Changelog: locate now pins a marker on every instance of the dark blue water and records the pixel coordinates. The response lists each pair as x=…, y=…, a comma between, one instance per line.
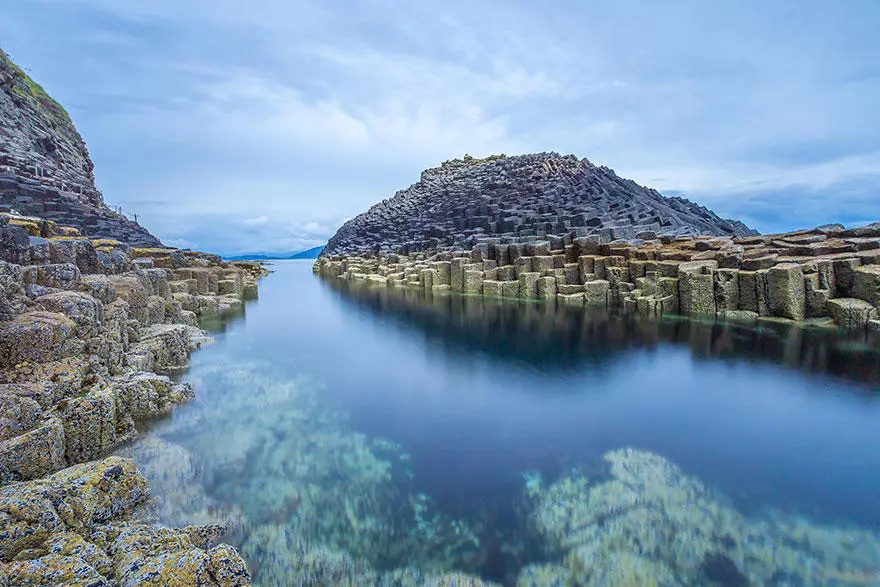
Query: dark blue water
x=408, y=431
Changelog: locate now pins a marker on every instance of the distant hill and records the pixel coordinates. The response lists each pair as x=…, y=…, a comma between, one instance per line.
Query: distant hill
x=307, y=254
x=544, y=196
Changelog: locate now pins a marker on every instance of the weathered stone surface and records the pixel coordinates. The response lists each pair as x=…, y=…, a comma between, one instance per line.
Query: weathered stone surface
x=12, y=290
x=785, y=286
x=83, y=309
x=866, y=284
x=67, y=500
x=528, y=284
x=165, y=346
x=597, y=293
x=32, y=454
x=852, y=312
x=36, y=337
x=59, y=276
x=697, y=291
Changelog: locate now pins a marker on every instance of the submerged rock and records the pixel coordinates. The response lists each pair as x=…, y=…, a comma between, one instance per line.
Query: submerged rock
x=649, y=522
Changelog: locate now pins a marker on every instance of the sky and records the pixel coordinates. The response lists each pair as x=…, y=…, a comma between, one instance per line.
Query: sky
x=233, y=127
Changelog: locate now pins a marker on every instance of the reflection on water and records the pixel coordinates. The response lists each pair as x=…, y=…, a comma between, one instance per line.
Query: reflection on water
x=566, y=338
x=362, y=437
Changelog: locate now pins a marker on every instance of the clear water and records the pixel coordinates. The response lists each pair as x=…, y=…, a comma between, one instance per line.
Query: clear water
x=351, y=431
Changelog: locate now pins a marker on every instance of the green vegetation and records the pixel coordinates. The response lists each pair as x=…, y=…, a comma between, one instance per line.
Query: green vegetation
x=14, y=77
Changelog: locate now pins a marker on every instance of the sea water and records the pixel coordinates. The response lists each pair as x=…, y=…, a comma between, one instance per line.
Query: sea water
x=349, y=433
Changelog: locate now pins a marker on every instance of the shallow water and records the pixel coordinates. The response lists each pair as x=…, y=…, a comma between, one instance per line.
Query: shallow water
x=489, y=437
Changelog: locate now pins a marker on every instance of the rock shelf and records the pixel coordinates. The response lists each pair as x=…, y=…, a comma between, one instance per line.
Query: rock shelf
x=828, y=276
x=89, y=331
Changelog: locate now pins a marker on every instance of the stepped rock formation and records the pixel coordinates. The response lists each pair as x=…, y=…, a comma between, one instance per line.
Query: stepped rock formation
x=518, y=199
x=830, y=275
x=45, y=169
x=89, y=330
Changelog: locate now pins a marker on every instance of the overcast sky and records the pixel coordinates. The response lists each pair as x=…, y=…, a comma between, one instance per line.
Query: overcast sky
x=237, y=126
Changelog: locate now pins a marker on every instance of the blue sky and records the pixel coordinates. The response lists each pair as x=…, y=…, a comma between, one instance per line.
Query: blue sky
x=262, y=126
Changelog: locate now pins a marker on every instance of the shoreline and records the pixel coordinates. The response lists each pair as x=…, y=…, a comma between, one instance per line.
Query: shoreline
x=90, y=328
x=822, y=277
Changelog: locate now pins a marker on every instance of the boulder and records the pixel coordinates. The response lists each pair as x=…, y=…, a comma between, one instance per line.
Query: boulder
x=155, y=555
x=165, y=347
x=147, y=395
x=99, y=287
x=18, y=414
x=93, y=425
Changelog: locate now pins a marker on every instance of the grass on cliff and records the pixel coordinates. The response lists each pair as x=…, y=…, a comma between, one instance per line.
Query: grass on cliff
x=22, y=84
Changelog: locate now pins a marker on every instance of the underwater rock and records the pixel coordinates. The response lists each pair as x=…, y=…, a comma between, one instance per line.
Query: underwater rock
x=648, y=519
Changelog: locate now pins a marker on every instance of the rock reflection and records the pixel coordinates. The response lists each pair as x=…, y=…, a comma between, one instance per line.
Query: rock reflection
x=552, y=337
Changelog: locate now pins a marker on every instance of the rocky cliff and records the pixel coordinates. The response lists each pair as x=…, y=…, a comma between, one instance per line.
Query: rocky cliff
x=45, y=169
x=521, y=198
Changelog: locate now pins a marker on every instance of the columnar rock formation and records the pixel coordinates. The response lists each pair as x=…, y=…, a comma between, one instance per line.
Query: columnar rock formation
x=517, y=199
x=88, y=329
x=45, y=169
x=824, y=275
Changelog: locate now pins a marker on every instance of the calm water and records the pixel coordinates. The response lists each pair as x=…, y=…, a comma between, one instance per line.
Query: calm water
x=371, y=430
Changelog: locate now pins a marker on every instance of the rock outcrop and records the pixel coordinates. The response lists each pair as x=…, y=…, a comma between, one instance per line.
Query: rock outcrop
x=824, y=274
x=517, y=199
x=88, y=327
x=45, y=169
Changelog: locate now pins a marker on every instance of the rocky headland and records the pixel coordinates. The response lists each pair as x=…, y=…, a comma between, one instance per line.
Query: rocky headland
x=94, y=316
x=556, y=228
x=89, y=331
x=45, y=168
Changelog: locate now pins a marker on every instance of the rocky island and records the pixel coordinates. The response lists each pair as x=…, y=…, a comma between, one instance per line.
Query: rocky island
x=558, y=228
x=94, y=315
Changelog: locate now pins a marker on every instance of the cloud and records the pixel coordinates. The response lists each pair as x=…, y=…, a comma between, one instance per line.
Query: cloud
x=273, y=124
x=256, y=222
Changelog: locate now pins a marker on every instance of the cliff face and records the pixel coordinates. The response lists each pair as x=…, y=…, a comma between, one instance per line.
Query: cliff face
x=521, y=198
x=45, y=169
